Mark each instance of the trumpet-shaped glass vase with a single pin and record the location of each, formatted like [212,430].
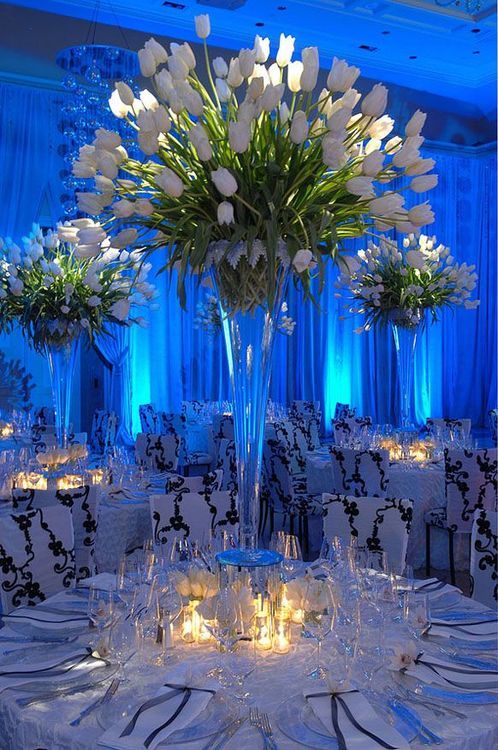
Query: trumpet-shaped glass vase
[61,361]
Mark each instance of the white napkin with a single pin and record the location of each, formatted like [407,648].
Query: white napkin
[433,587]
[433,669]
[105,581]
[173,707]
[474,629]
[56,667]
[370,731]
[37,617]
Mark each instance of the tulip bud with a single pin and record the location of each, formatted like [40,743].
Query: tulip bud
[124,237]
[148,142]
[274,74]
[338,121]
[271,96]
[143,207]
[164,83]
[247,59]
[125,93]
[309,76]
[334,153]
[372,163]
[285,50]
[361,186]
[146,122]
[294,71]
[220,67]
[106,139]
[83,169]
[261,48]
[284,113]
[147,62]
[415,123]
[104,184]
[169,181]
[123,209]
[162,120]
[424,184]
[202,26]
[177,67]
[405,156]
[342,76]
[374,104]
[302,260]
[234,78]
[225,213]
[117,107]
[419,167]
[157,49]
[185,52]
[223,90]
[239,136]
[246,112]
[255,89]
[299,127]
[224,181]
[421,215]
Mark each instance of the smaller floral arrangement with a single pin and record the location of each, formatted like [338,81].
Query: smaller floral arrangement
[60,456]
[208,318]
[405,654]
[195,584]
[421,275]
[56,294]
[309,594]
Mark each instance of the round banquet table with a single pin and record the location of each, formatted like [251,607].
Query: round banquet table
[45,726]
[422,484]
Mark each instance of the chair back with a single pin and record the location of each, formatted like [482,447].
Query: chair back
[308,415]
[223,427]
[227,462]
[148,418]
[44,415]
[277,475]
[493,423]
[43,437]
[484,558]
[348,427]
[193,409]
[203,485]
[360,473]
[378,524]
[36,555]
[292,436]
[464,425]
[192,515]
[157,452]
[83,502]
[343,411]
[104,430]
[470,479]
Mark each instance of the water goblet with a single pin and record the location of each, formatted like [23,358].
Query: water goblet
[100,609]
[170,606]
[318,618]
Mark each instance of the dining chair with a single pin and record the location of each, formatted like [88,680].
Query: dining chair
[292,436]
[360,472]
[343,411]
[470,485]
[203,485]
[192,515]
[157,452]
[223,427]
[493,423]
[148,418]
[104,431]
[446,423]
[176,424]
[308,416]
[226,461]
[36,555]
[44,415]
[378,524]
[193,409]
[43,437]
[83,502]
[484,558]
[347,427]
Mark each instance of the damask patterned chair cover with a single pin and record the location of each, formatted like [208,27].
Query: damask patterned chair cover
[348,427]
[471,485]
[44,415]
[148,418]
[204,485]
[293,436]
[360,473]
[227,462]
[449,424]
[83,502]
[43,437]
[193,409]
[157,452]
[379,524]
[176,424]
[104,431]
[192,515]
[223,427]
[484,558]
[493,423]
[36,556]
[307,416]
[343,411]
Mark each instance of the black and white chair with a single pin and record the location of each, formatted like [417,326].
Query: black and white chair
[292,436]
[83,502]
[470,481]
[378,524]
[307,416]
[157,452]
[193,409]
[361,473]
[176,424]
[349,427]
[36,556]
[445,424]
[223,427]
[484,558]
[44,415]
[104,431]
[192,515]
[43,437]
[493,423]
[343,411]
[203,485]
[148,419]
[227,462]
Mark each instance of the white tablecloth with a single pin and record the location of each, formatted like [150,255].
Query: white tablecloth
[122,526]
[425,486]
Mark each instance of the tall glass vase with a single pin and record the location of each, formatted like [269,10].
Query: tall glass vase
[249,338]
[405,328]
[61,360]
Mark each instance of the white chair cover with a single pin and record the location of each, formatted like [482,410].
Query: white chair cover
[148,418]
[347,427]
[176,424]
[158,452]
[226,461]
[192,515]
[360,473]
[36,555]
[203,485]
[484,558]
[379,524]
[448,424]
[193,409]
[83,503]
[470,478]
[104,430]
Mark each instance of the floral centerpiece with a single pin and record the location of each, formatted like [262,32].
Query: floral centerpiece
[250,176]
[56,294]
[399,285]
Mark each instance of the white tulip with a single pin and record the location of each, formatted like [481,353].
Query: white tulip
[302,260]
[234,77]
[284,113]
[374,104]
[91,235]
[393,145]
[415,123]
[104,184]
[125,93]
[239,136]
[143,207]
[94,301]
[309,76]
[89,203]
[387,204]
[164,83]
[260,71]
[246,112]
[123,238]
[123,208]
[421,215]
[261,48]
[83,169]
[414,141]
[148,99]
[225,213]
[223,90]
[146,122]
[294,71]
[255,89]
[342,76]
[381,128]
[202,26]
[247,60]
[372,163]
[162,120]
[121,309]
[224,181]
[405,156]
[169,181]
[220,67]
[415,259]
[361,186]
[272,96]
[157,50]
[424,184]
[419,167]
[147,140]
[334,153]
[117,107]
[147,62]
[177,68]
[471,304]
[107,165]
[106,139]
[338,121]
[274,74]
[299,127]
[285,50]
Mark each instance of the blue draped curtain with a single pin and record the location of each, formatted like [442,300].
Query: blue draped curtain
[115,348]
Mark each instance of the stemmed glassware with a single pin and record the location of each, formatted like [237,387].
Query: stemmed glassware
[223,627]
[100,609]
[416,613]
[170,606]
[318,618]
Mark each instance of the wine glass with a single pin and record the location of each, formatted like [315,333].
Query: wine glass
[179,553]
[318,617]
[122,638]
[100,608]
[416,613]
[292,554]
[127,580]
[223,627]
[170,606]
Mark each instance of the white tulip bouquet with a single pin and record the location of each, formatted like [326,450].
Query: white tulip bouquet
[254,170]
[55,294]
[420,275]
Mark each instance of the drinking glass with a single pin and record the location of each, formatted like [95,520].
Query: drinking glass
[100,608]
[223,628]
[179,552]
[170,606]
[416,613]
[292,554]
[318,617]
[127,580]
[147,631]
[277,542]
[122,639]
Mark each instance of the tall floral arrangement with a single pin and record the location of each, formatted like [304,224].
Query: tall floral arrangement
[419,276]
[55,294]
[254,168]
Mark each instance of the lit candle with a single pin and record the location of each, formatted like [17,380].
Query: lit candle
[282,632]
[187,625]
[263,631]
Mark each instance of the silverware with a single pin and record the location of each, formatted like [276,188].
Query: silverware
[432,704]
[50,695]
[111,690]
[409,715]
[227,733]
[268,730]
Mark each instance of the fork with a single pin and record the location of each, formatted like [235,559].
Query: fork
[255,721]
[265,719]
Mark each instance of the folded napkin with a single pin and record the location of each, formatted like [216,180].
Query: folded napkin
[433,669]
[474,629]
[350,718]
[105,581]
[46,619]
[433,587]
[173,707]
[50,667]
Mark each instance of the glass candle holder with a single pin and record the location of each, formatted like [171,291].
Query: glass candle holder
[281,631]
[263,631]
